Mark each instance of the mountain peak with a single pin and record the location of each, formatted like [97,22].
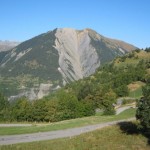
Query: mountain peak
[58,57]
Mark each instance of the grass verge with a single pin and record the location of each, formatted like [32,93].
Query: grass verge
[98,118]
[117,137]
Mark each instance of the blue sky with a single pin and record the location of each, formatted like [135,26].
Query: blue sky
[127,20]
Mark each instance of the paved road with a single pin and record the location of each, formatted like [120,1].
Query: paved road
[13,139]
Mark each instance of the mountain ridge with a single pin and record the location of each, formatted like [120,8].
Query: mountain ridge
[59,57]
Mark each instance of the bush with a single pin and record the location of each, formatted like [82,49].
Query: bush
[109,111]
[143,111]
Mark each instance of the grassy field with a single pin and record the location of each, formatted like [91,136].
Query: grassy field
[135,89]
[98,118]
[142,55]
[136,93]
[124,136]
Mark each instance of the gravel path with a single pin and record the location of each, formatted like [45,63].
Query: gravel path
[121,109]
[13,139]
[15,125]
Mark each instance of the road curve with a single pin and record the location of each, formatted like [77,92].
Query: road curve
[13,139]
[121,109]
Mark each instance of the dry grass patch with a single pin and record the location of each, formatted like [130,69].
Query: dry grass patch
[143,55]
[135,85]
[148,71]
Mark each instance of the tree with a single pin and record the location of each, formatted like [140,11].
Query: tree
[51,110]
[98,98]
[147,49]
[122,90]
[143,111]
[84,91]
[3,102]
[4,105]
[39,110]
[67,105]
[22,110]
[109,100]
[86,107]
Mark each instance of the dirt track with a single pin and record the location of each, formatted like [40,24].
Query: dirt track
[13,139]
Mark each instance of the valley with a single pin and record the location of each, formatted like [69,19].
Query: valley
[65,81]
[74,75]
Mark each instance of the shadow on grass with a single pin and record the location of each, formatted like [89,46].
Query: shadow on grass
[132,128]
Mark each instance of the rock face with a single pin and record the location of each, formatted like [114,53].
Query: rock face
[56,58]
[77,57]
[33,93]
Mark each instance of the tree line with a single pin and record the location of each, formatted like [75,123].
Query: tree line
[79,98]
[65,106]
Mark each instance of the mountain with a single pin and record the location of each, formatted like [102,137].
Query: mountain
[7,45]
[118,82]
[125,77]
[50,60]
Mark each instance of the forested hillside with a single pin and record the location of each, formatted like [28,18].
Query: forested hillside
[82,97]
[50,60]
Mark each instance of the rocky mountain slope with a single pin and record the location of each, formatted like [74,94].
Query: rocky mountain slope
[57,57]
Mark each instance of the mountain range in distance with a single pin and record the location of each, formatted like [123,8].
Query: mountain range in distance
[49,61]
[7,45]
